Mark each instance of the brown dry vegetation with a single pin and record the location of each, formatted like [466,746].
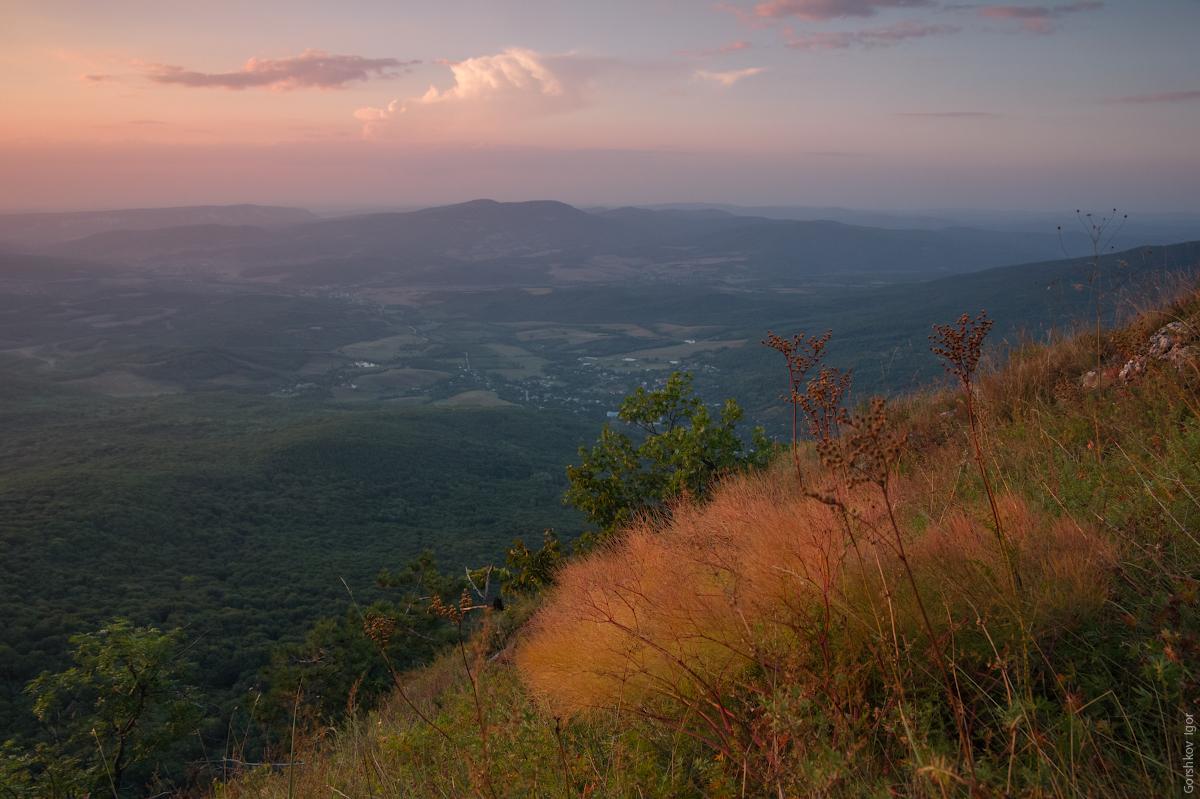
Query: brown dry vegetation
[916,606]
[675,610]
[706,618]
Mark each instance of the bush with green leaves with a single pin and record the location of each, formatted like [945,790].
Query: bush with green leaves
[528,571]
[677,448]
[113,719]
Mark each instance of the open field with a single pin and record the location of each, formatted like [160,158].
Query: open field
[119,383]
[385,349]
[475,398]
[398,380]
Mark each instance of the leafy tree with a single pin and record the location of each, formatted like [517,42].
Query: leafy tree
[421,578]
[115,714]
[25,773]
[527,571]
[678,448]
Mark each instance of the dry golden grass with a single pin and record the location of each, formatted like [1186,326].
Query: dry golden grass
[666,610]
[677,610]
[1069,566]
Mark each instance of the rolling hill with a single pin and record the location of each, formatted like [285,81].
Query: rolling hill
[32,230]
[529,242]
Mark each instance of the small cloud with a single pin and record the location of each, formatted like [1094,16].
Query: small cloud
[866,39]
[817,10]
[312,69]
[729,77]
[1036,19]
[734,47]
[709,52]
[949,114]
[1156,98]
[370,114]
[98,78]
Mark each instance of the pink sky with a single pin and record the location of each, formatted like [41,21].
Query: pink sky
[873,103]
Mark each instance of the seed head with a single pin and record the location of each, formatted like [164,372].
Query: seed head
[960,345]
[379,628]
[802,353]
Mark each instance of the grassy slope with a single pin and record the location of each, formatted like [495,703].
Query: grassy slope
[1073,685]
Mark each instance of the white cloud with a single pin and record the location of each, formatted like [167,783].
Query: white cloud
[369,114]
[517,81]
[729,77]
[516,70]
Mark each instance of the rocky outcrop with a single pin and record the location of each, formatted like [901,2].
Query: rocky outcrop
[1174,344]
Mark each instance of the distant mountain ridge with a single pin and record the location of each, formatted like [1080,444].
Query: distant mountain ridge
[41,229]
[485,241]
[1163,228]
[806,213]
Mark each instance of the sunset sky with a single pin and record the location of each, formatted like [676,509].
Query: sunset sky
[867,103]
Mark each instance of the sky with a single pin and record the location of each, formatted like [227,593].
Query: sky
[888,104]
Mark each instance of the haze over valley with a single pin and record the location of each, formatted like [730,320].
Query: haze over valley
[537,303]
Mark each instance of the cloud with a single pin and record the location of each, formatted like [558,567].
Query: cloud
[1157,97]
[370,114]
[949,114]
[830,9]
[1037,19]
[872,38]
[516,70]
[312,69]
[96,77]
[515,82]
[725,49]
[733,47]
[729,77]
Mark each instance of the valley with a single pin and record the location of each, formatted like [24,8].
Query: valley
[212,428]
[539,305]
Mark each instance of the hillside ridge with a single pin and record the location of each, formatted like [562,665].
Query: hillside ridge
[858,622]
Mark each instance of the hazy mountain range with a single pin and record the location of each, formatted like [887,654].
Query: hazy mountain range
[1162,227]
[489,242]
[32,230]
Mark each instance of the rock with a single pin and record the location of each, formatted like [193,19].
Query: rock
[1167,339]
[1171,343]
[1183,356]
[1132,368]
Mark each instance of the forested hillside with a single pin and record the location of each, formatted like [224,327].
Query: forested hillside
[237,518]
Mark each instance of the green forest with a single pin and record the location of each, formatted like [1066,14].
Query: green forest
[236,519]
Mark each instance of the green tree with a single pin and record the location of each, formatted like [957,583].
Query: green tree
[528,571]
[114,715]
[678,448]
[25,773]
